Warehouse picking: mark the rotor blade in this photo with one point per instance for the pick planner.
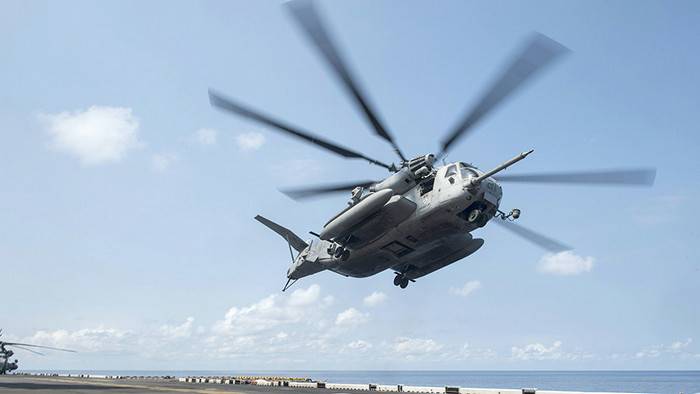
(539, 52)
(29, 350)
(227, 104)
(633, 177)
(302, 193)
(538, 239)
(39, 346)
(312, 24)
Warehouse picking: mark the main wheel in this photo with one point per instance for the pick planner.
(404, 283)
(482, 220)
(339, 252)
(397, 280)
(474, 215)
(345, 255)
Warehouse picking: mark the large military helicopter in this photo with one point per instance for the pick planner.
(420, 218)
(6, 365)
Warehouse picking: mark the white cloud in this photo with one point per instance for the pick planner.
(160, 162)
(351, 317)
(271, 312)
(183, 330)
(95, 136)
(469, 352)
(205, 136)
(468, 288)
(98, 339)
(280, 336)
(565, 263)
(677, 348)
(539, 351)
(250, 141)
(305, 297)
(359, 345)
(415, 346)
(374, 299)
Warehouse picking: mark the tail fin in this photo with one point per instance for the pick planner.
(294, 241)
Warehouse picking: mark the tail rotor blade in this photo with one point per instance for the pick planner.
(229, 105)
(308, 18)
(538, 239)
(539, 52)
(633, 177)
(315, 191)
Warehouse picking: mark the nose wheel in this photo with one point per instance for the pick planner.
(401, 280)
(341, 253)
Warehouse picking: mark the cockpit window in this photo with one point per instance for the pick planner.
(451, 171)
(467, 171)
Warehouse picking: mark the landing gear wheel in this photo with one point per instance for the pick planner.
(397, 279)
(339, 252)
(404, 283)
(474, 215)
(345, 255)
(482, 220)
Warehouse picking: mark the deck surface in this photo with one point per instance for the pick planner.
(22, 384)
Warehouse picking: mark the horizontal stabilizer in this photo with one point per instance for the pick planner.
(294, 241)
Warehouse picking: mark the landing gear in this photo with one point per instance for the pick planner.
(474, 215)
(401, 280)
(341, 253)
(478, 217)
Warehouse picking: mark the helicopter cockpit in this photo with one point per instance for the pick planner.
(468, 171)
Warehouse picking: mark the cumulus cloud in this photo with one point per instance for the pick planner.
(677, 348)
(469, 352)
(537, 351)
(351, 317)
(183, 330)
(468, 288)
(415, 346)
(271, 312)
(305, 297)
(359, 345)
(95, 136)
(250, 141)
(206, 137)
(374, 299)
(100, 339)
(160, 162)
(565, 263)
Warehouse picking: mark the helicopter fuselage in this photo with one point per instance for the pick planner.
(415, 225)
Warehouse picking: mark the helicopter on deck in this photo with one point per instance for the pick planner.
(7, 365)
(420, 218)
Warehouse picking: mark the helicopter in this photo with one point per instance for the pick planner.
(421, 217)
(6, 365)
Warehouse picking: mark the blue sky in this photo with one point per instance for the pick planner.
(126, 226)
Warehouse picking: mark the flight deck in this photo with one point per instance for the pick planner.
(39, 384)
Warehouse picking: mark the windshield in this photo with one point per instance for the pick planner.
(467, 171)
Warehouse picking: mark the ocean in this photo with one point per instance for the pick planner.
(666, 382)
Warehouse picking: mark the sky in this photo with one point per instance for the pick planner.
(127, 231)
